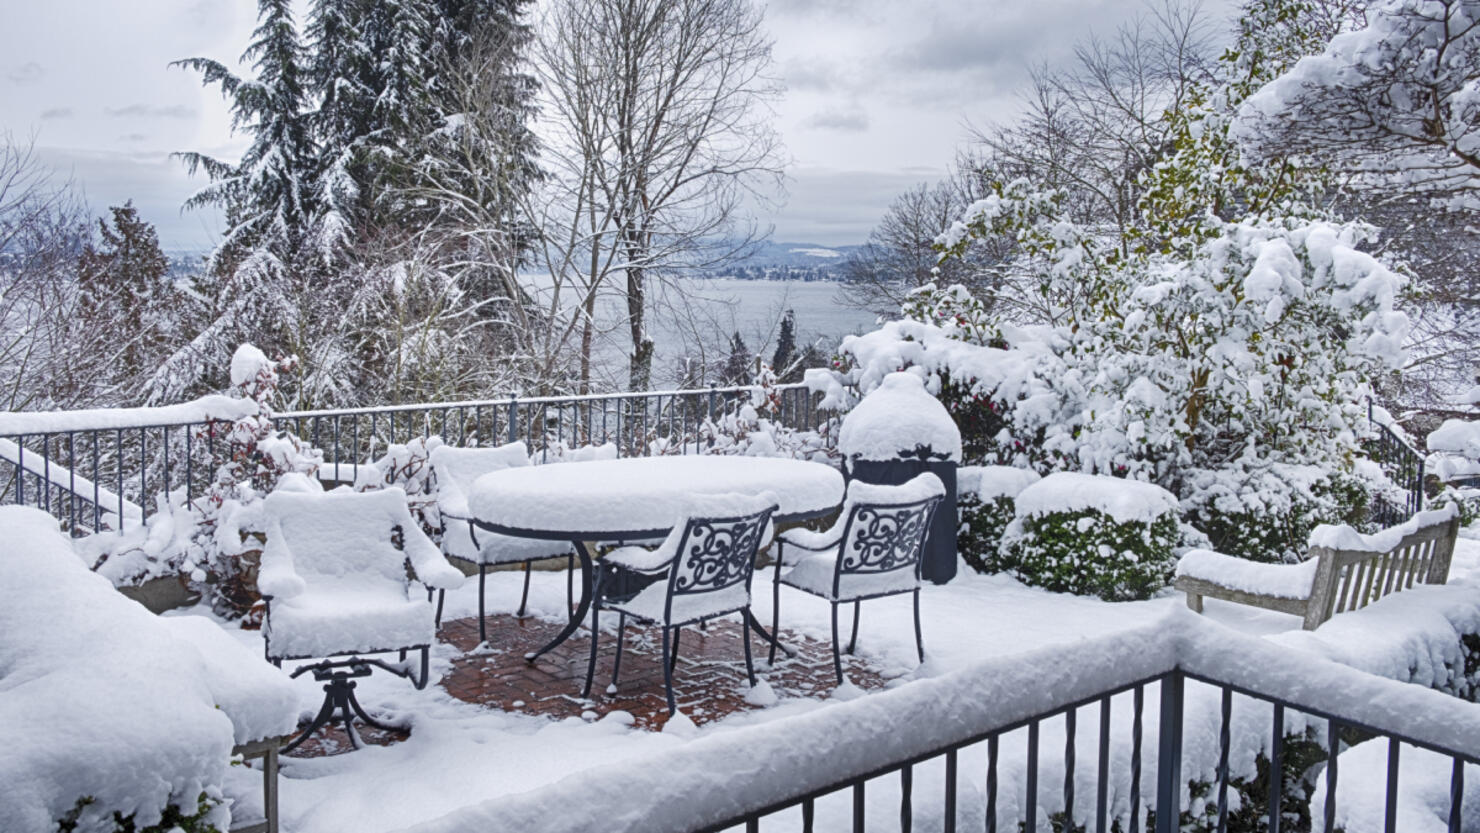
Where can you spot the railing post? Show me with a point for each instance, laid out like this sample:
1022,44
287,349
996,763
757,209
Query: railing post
513,418
712,395
1169,756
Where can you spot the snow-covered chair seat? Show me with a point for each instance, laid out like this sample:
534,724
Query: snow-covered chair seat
872,551
1343,570
703,570
151,709
453,472
334,577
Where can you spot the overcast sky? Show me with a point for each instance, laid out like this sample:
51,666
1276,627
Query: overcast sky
880,94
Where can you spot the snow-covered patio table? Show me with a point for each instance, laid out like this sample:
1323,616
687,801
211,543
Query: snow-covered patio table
636,499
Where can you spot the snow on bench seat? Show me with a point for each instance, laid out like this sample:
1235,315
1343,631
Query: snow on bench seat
1281,581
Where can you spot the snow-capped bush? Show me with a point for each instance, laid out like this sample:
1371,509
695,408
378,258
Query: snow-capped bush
1097,536
753,428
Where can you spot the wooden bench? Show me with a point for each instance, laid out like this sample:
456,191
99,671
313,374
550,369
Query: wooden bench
1343,571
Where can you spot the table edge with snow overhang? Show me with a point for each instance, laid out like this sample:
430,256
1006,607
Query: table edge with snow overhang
634,499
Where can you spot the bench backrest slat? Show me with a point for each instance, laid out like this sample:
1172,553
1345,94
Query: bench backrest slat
1352,579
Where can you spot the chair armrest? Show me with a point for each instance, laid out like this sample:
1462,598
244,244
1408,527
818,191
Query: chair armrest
427,561
639,559
813,540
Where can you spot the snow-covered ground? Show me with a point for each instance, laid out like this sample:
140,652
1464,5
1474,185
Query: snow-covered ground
461,754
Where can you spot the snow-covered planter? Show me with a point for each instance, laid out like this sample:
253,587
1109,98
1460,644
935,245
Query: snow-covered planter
1097,536
986,497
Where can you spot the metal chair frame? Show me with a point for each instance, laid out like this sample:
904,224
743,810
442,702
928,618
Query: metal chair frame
878,538
726,549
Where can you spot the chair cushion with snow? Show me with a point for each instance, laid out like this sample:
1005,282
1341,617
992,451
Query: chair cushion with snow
337,581
455,470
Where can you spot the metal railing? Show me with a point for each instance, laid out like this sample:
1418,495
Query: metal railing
1402,463
980,749
90,477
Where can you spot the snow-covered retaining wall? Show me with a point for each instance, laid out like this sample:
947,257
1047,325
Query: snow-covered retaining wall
727,773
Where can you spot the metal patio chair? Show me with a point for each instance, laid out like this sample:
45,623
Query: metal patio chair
453,473
335,579
872,551
701,571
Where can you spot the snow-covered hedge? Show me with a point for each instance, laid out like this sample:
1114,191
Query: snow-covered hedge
985,502
1089,535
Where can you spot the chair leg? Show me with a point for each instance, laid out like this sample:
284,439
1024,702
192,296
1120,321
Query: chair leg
482,624
595,637
775,608
426,664
621,637
524,597
745,637
668,675
673,658
853,640
837,659
441,597
919,640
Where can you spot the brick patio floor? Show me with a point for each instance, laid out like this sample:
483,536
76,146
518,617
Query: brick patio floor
709,680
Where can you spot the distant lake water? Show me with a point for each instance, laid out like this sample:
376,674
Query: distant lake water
694,319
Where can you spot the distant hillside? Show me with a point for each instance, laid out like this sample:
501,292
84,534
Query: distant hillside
789,261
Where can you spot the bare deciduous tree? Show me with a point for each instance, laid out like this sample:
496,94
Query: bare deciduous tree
657,132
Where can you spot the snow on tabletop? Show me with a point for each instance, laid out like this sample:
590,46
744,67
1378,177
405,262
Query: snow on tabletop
1123,500
103,699
204,409
642,494
1456,436
898,416
1283,581
991,482
1342,537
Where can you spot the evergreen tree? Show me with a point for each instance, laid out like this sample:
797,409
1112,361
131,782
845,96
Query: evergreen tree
737,369
124,290
786,345
342,74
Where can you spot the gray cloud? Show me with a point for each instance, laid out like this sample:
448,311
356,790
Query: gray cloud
833,207
850,120
56,113
133,138
26,73
147,111
812,74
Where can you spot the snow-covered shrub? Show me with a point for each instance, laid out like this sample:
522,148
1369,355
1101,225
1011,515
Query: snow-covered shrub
408,467
214,540
1097,536
753,428
1468,501
1270,519
986,500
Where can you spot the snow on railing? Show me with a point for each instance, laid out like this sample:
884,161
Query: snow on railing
1185,699
115,461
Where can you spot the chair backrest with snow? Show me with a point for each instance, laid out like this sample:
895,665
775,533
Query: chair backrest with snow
717,546
334,538
884,527
454,470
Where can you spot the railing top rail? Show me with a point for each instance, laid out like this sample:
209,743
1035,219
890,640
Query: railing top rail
522,400
716,779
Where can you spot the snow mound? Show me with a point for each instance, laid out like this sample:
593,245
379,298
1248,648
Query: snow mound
104,700
247,363
761,694
1457,436
899,416
1123,500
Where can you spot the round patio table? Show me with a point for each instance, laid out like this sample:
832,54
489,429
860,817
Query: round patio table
637,499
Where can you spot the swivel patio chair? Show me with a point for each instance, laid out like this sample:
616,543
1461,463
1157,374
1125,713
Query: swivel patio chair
453,471
335,580
872,551
701,571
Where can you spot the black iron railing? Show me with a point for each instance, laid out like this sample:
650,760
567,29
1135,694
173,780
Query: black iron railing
1023,744
1402,463
90,477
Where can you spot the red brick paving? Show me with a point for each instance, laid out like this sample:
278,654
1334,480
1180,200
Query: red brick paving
709,680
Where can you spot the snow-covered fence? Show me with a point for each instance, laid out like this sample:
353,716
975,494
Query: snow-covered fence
91,468
1102,734
1400,461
